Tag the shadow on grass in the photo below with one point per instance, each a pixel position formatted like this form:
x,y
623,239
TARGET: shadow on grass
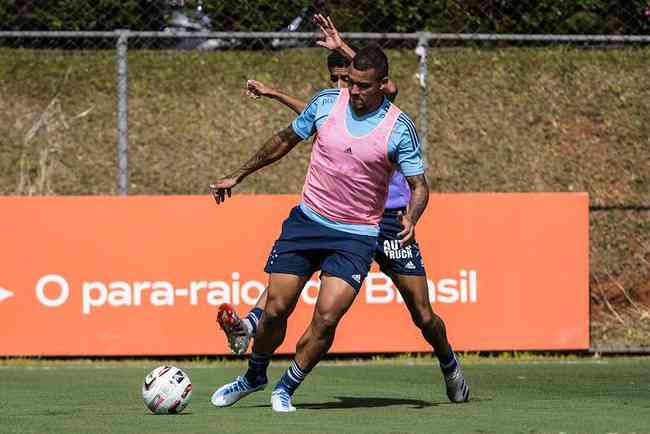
x,y
362,402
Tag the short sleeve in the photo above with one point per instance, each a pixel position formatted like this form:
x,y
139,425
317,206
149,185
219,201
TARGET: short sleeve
x,y
306,124
405,147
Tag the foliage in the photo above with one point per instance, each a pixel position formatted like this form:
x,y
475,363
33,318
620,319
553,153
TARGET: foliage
x,y
493,16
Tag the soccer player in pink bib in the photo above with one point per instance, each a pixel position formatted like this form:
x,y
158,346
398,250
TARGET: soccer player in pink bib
x,y
361,139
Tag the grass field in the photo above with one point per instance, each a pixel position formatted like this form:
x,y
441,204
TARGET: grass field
x,y
404,396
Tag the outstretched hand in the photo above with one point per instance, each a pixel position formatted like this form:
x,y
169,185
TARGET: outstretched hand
x,y
332,40
221,188
256,89
407,234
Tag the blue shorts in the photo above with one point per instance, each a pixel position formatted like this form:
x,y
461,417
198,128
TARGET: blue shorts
x,y
391,258
306,246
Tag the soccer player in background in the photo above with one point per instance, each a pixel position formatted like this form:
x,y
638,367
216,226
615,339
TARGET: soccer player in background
x,y
360,138
404,265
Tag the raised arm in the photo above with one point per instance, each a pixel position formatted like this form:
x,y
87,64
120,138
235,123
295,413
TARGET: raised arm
x,y
417,205
275,148
258,89
333,41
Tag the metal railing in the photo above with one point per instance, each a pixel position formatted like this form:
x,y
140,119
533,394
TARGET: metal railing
x,y
423,41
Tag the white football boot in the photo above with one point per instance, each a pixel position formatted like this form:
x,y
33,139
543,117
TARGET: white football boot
x,y
457,388
281,401
230,393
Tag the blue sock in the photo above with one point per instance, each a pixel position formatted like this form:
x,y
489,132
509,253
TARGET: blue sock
x,y
253,318
449,365
291,378
257,365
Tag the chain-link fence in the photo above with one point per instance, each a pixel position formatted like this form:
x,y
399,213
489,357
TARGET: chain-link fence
x,y
507,96
404,16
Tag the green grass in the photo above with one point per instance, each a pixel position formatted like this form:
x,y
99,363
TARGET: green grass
x,y
400,396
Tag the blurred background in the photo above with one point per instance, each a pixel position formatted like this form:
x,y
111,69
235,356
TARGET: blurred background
x,y
110,97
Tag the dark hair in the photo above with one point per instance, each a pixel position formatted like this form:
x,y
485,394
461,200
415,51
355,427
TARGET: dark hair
x,y
337,60
371,57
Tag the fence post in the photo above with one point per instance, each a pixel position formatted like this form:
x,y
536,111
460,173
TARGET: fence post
x,y
122,113
423,126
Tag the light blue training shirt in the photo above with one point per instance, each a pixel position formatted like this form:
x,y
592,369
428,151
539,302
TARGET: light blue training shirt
x,y
403,145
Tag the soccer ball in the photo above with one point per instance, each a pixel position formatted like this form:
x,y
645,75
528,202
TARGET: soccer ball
x,y
166,389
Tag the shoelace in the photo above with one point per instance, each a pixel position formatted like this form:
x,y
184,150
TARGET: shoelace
x,y
240,385
284,397
451,379
453,376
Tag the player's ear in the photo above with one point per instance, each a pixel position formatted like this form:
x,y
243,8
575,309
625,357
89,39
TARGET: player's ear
x,y
383,83
390,90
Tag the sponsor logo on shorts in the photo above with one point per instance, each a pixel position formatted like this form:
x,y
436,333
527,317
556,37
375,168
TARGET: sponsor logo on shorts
x,y
356,278
393,250
410,265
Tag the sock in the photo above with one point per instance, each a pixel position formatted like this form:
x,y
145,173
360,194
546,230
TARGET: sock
x,y
252,320
292,378
257,365
449,365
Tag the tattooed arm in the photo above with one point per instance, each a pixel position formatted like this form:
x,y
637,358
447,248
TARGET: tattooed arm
x,y
274,149
417,205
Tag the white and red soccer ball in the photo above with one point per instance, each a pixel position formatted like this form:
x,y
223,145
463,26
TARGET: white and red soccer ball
x,y
166,390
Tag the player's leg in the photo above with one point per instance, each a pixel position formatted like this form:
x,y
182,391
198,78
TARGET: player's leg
x,y
405,267
289,255
283,293
252,319
334,299
279,306
414,291
341,278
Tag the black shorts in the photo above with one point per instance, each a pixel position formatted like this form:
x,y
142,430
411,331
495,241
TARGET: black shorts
x,y
392,258
306,246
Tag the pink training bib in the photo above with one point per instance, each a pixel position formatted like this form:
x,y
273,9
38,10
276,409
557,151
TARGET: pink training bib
x,y
348,176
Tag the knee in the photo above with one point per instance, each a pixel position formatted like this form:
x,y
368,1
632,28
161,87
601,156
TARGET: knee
x,y
275,311
422,320
325,324
425,319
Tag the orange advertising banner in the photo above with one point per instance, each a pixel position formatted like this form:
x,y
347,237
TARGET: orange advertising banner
x,y
144,275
